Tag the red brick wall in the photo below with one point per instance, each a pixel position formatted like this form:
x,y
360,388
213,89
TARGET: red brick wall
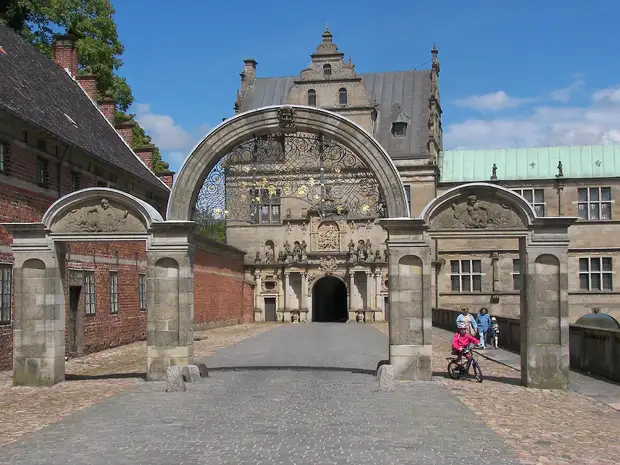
x,y
220,292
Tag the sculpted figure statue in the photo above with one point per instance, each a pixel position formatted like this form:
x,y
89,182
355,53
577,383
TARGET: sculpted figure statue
x,y
288,251
296,251
270,255
352,254
257,259
304,251
361,250
281,256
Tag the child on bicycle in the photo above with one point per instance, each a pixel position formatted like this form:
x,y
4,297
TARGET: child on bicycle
x,y
461,340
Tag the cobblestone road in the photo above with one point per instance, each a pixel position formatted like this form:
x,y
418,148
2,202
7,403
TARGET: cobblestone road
x,y
264,414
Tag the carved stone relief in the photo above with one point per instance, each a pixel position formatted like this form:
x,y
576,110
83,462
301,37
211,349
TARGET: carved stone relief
x,y
99,217
328,237
472,213
328,264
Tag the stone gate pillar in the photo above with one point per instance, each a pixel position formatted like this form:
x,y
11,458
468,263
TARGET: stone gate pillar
x,y
39,304
545,357
170,298
409,287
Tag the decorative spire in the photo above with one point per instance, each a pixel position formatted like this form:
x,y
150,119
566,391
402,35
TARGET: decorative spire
x,y
435,52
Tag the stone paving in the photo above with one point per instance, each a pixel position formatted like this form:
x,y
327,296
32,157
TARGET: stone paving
x,y
91,379
326,410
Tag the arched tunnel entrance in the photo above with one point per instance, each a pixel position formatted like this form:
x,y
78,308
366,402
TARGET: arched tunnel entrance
x,y
329,300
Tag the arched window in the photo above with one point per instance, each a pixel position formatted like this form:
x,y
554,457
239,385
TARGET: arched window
x,y
312,98
327,71
342,96
399,129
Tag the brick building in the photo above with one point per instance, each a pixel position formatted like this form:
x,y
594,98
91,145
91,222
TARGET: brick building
x,y
58,136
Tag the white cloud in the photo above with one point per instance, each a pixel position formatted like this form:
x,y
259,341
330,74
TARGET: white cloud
x,y
166,134
492,101
564,94
595,123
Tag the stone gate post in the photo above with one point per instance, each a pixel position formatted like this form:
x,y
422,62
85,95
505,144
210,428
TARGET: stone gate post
x,y
170,297
39,304
409,287
545,357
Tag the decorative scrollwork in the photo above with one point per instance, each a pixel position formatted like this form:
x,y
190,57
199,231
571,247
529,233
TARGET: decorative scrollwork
x,y
306,173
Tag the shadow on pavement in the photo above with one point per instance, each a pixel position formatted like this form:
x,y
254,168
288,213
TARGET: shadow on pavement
x,y
360,371
72,377
497,379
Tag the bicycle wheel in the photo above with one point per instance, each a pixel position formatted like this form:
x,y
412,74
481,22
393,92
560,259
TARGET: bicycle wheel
x,y
454,371
477,372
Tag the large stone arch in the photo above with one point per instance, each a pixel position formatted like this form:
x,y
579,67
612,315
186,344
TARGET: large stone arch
x,y
289,118
97,215
482,210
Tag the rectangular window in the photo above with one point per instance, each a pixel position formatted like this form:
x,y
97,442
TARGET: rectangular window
x,y
42,145
91,298
266,208
408,194
535,197
4,156
42,172
516,275
595,203
6,277
466,275
595,274
142,291
75,181
113,281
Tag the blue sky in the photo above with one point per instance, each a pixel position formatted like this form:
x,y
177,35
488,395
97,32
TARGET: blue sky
x,y
512,73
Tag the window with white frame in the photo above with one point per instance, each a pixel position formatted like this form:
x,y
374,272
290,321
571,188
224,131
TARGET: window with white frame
x,y
535,197
6,278
91,297
595,274
516,274
113,282
142,291
4,156
594,203
466,275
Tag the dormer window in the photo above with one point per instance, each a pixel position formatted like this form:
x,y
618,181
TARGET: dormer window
x,y
327,71
312,98
399,129
342,96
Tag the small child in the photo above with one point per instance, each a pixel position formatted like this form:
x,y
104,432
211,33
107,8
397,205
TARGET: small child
x,y
494,333
461,340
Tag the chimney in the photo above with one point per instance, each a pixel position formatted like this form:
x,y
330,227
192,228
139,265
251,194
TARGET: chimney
x,y
88,83
145,153
125,129
166,176
107,105
249,73
65,53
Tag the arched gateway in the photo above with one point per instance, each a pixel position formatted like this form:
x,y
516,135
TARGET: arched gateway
x,y
475,209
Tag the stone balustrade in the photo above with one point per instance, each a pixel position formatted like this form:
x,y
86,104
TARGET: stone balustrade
x,y
592,350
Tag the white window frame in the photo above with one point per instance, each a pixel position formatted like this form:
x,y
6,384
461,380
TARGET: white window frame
x,y
533,202
600,272
471,274
142,291
90,304
588,202
113,286
6,283
516,274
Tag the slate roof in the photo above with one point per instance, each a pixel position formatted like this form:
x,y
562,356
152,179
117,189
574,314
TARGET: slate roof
x,y
581,162
409,90
37,90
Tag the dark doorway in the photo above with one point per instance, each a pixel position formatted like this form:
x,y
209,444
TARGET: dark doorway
x,y
329,300
74,319
270,309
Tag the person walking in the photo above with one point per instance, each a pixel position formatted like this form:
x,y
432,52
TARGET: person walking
x,y
483,320
465,317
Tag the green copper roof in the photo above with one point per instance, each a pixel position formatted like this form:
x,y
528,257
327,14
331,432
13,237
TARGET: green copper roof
x,y
595,161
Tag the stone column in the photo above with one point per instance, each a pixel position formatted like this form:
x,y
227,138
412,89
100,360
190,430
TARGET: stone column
x,y
39,305
287,297
170,298
545,357
409,283
280,308
495,268
351,287
379,315
304,297
259,311
370,297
